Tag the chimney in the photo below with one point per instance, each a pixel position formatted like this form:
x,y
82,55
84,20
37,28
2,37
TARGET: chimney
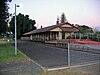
x,y
57,22
41,26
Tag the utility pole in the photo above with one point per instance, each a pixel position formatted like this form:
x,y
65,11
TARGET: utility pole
x,y
15,31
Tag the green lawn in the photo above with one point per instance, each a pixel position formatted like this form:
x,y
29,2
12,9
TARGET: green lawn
x,y
7,54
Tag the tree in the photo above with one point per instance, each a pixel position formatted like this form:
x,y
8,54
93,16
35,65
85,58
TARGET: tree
x,y
85,29
63,18
4,15
24,24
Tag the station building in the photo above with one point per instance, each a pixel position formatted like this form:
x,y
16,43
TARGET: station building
x,y
54,32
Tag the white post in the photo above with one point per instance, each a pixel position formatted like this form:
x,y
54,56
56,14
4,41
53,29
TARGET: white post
x,y
68,56
15,33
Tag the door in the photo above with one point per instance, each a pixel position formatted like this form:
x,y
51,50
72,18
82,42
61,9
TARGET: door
x,y
63,35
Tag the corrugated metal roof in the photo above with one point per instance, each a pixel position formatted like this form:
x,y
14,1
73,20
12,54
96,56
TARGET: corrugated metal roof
x,y
46,29
69,29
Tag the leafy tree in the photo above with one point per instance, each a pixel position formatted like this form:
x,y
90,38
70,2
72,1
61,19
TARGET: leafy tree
x,y
85,29
24,24
4,15
63,18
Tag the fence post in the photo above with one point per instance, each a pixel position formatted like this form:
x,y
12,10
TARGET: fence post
x,y
87,36
68,56
75,36
80,36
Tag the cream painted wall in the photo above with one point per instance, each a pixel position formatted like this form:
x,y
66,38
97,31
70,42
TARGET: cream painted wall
x,y
60,35
56,29
31,37
67,34
66,25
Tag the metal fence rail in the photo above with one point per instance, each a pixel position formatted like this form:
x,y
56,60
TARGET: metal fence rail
x,y
85,47
79,54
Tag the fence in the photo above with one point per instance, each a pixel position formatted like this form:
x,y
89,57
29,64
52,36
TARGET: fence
x,y
83,54
79,54
86,48
92,36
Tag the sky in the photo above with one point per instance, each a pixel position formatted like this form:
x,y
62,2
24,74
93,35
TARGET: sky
x,y
45,12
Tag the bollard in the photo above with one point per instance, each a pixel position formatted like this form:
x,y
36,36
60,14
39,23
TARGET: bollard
x,y
68,56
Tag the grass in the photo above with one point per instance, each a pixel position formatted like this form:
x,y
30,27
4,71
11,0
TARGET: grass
x,y
7,54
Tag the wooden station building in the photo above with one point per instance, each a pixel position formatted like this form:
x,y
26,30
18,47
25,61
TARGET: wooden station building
x,y
54,32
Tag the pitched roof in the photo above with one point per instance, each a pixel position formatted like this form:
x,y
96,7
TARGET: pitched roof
x,y
69,29
46,29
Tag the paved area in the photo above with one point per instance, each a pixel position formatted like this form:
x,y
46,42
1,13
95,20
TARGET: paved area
x,y
49,56
45,55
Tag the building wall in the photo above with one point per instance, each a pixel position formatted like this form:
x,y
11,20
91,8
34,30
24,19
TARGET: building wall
x,y
67,34
25,38
56,29
60,35
46,36
31,37
66,25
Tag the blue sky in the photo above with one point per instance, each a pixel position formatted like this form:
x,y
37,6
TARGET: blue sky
x,y
45,12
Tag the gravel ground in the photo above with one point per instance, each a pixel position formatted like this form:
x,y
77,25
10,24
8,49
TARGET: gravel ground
x,y
85,70
91,69
25,68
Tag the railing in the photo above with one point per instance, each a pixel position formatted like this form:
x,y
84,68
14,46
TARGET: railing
x,y
85,47
79,54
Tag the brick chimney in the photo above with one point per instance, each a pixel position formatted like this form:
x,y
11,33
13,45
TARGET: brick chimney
x,y
57,22
41,26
